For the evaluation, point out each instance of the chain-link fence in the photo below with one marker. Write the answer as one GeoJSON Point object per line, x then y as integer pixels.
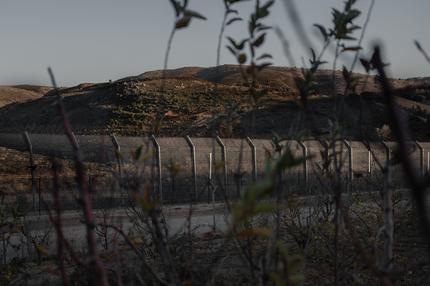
{"type": "Point", "coordinates": [180, 170]}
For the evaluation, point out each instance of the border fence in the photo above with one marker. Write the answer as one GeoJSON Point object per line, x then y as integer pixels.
{"type": "Point", "coordinates": [180, 170]}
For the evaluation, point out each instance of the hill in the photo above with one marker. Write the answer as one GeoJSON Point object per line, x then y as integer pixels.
{"type": "Point", "coordinates": [21, 93]}
{"type": "Point", "coordinates": [204, 101]}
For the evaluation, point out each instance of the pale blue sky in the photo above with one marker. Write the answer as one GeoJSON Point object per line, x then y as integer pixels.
{"type": "Point", "coordinates": [98, 40]}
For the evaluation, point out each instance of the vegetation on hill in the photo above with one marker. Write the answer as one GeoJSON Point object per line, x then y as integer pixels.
{"type": "Point", "coordinates": [208, 101]}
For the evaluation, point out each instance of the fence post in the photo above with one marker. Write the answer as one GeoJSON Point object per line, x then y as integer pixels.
{"type": "Point", "coordinates": [305, 161]}
{"type": "Point", "coordinates": [326, 160]}
{"type": "Point", "coordinates": [254, 158]}
{"type": "Point", "coordinates": [388, 155]}
{"type": "Point", "coordinates": [193, 162]}
{"type": "Point", "coordinates": [350, 160]}
{"type": "Point", "coordinates": [32, 168]}
{"type": "Point", "coordinates": [421, 148]}
{"type": "Point", "coordinates": [158, 154]}
{"type": "Point", "coordinates": [369, 161]}
{"type": "Point", "coordinates": [224, 158]}
{"type": "Point", "coordinates": [75, 139]}
{"type": "Point", "coordinates": [117, 152]}
{"type": "Point", "coordinates": [428, 162]}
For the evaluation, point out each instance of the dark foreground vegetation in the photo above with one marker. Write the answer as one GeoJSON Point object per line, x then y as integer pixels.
{"type": "Point", "coordinates": [268, 235]}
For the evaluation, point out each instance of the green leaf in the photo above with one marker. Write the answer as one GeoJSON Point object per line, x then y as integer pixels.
{"type": "Point", "coordinates": [237, 46]}
{"type": "Point", "coordinates": [183, 22]}
{"type": "Point", "coordinates": [138, 153]}
{"type": "Point", "coordinates": [259, 41]}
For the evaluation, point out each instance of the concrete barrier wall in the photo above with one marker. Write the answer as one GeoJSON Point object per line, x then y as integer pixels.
{"type": "Point", "coordinates": [184, 175]}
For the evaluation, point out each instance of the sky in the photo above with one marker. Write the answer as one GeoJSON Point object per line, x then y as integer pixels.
{"type": "Point", "coordinates": [101, 40]}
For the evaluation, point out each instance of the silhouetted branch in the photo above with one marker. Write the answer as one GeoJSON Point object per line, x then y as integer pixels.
{"type": "Point", "coordinates": [81, 178]}
{"type": "Point", "coordinates": [400, 132]}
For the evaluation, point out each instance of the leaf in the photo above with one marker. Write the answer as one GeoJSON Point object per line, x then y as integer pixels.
{"type": "Point", "coordinates": [242, 58]}
{"type": "Point", "coordinates": [263, 66]}
{"type": "Point", "coordinates": [42, 250]}
{"type": "Point", "coordinates": [268, 5]}
{"type": "Point", "coordinates": [418, 45]}
{"type": "Point", "coordinates": [346, 74]}
{"type": "Point", "coordinates": [365, 63]}
{"type": "Point", "coordinates": [138, 153]}
{"type": "Point", "coordinates": [232, 11]}
{"type": "Point", "coordinates": [231, 50]}
{"type": "Point", "coordinates": [353, 49]}
{"type": "Point", "coordinates": [233, 43]}
{"type": "Point", "coordinates": [259, 41]}
{"type": "Point", "coordinates": [322, 30]}
{"type": "Point", "coordinates": [265, 56]}
{"type": "Point", "coordinates": [261, 28]}
{"type": "Point", "coordinates": [194, 14]}
{"type": "Point", "coordinates": [176, 6]}
{"type": "Point", "coordinates": [352, 14]}
{"type": "Point", "coordinates": [231, 21]}
{"type": "Point", "coordinates": [183, 22]}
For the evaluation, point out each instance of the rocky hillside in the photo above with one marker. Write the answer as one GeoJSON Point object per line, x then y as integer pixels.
{"type": "Point", "coordinates": [206, 101]}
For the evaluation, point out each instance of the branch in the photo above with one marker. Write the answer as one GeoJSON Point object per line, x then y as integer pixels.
{"type": "Point", "coordinates": [399, 129]}
{"type": "Point", "coordinates": [81, 179]}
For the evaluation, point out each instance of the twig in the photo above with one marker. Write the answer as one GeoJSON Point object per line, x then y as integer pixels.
{"type": "Point", "coordinates": [59, 224]}
{"type": "Point", "coordinates": [81, 178]}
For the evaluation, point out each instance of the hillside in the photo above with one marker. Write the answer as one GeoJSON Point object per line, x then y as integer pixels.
{"type": "Point", "coordinates": [21, 93]}
{"type": "Point", "coordinates": [204, 101]}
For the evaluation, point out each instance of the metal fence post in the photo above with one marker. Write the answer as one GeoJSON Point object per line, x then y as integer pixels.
{"type": "Point", "coordinates": [350, 160]}
{"type": "Point", "coordinates": [224, 158]}
{"type": "Point", "coordinates": [193, 162]}
{"type": "Point", "coordinates": [326, 159]}
{"type": "Point", "coordinates": [421, 148]}
{"type": "Point", "coordinates": [254, 158]}
{"type": "Point", "coordinates": [388, 156]}
{"type": "Point", "coordinates": [32, 168]}
{"type": "Point", "coordinates": [75, 139]}
{"type": "Point", "coordinates": [305, 161]}
{"type": "Point", "coordinates": [428, 162]}
{"type": "Point", "coordinates": [369, 162]}
{"type": "Point", "coordinates": [117, 153]}
{"type": "Point", "coordinates": [158, 154]}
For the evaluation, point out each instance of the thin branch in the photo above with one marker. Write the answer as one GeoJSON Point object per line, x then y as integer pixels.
{"type": "Point", "coordinates": [81, 178]}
